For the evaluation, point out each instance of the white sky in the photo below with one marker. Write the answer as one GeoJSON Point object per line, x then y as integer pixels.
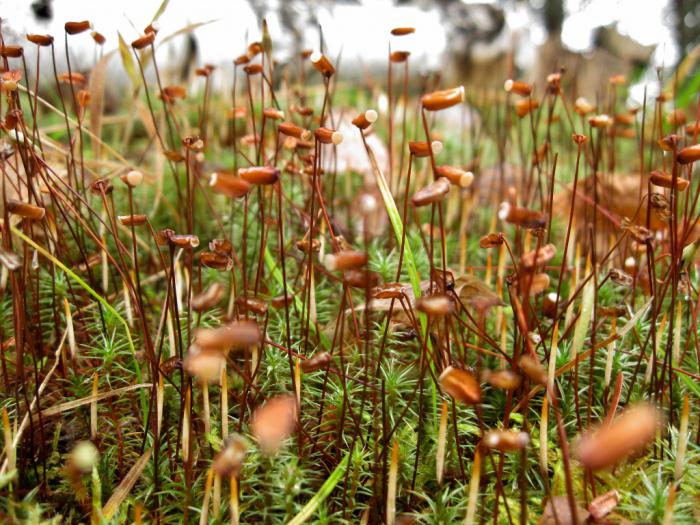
{"type": "Point", "coordinates": [361, 31]}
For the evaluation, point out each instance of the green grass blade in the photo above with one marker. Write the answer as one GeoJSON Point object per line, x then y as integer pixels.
{"type": "Point", "coordinates": [322, 493]}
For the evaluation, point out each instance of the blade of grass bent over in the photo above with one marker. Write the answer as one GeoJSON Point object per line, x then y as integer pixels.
{"type": "Point", "coordinates": [322, 493]}
{"type": "Point", "coordinates": [101, 300]}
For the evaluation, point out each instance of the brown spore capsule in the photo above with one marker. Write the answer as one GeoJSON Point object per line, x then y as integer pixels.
{"type": "Point", "coordinates": [40, 40]}
{"type": "Point", "coordinates": [610, 443]}
{"type": "Point", "coordinates": [322, 64]}
{"type": "Point", "coordinates": [318, 361]}
{"type": "Point", "coordinates": [521, 216]}
{"type": "Point", "coordinates": [143, 41]}
{"type": "Point", "coordinates": [238, 335]}
{"type": "Point", "coordinates": [435, 305]}
{"type": "Point", "coordinates": [665, 180]}
{"type": "Point", "coordinates": [455, 175]}
{"type": "Point", "coordinates": [518, 87]}
{"type": "Point", "coordinates": [216, 261]}
{"type": "Point", "coordinates": [328, 136]}
{"type": "Point", "coordinates": [208, 298]}
{"type": "Point", "coordinates": [229, 184]}
{"type": "Point", "coordinates": [133, 220]}
{"type": "Point", "coordinates": [443, 99]}
{"type": "Point", "coordinates": [74, 28]}
{"type": "Point", "coordinates": [260, 175]}
{"type": "Point", "coordinates": [345, 260]}
{"type": "Point", "coordinates": [185, 240]}
{"type": "Point", "coordinates": [506, 440]}
{"type": "Point", "coordinates": [292, 130]}
{"type": "Point", "coordinates": [423, 149]}
{"type": "Point", "coordinates": [365, 119]}
{"type": "Point", "coordinates": [26, 210]}
{"type": "Point", "coordinates": [432, 193]}
{"type": "Point", "coordinates": [689, 154]}
{"type": "Point", "coordinates": [460, 385]}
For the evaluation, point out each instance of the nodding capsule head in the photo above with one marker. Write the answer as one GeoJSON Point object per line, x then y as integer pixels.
{"type": "Point", "coordinates": [532, 368]}
{"type": "Point", "coordinates": [600, 121]}
{"type": "Point", "coordinates": [460, 385]}
{"type": "Point", "coordinates": [304, 111]}
{"type": "Point", "coordinates": [100, 186]}
{"type": "Point", "coordinates": [389, 291]}
{"type": "Point", "coordinates": [223, 246]}
{"type": "Point", "coordinates": [616, 80]}
{"type": "Point", "coordinates": [274, 422]}
{"type": "Point", "coordinates": [345, 260]}
{"type": "Point", "coordinates": [273, 113]}
{"type": "Point", "coordinates": [260, 175]}
{"type": "Point", "coordinates": [216, 261]}
{"type": "Point", "coordinates": [519, 88]}
{"type": "Point", "coordinates": [254, 49]}
{"type": "Point", "coordinates": [398, 57]}
{"type": "Point", "coordinates": [432, 193]}
{"type": "Point", "coordinates": [229, 460]}
{"type": "Point", "coordinates": [542, 255]}
{"type": "Point", "coordinates": [193, 143]}
{"type": "Point", "coordinates": [40, 40]}
{"type": "Point", "coordinates": [621, 277]}
{"type": "Point", "coordinates": [26, 210]}
{"type": "Point", "coordinates": [328, 136]}
{"type": "Point", "coordinates": [492, 240]}
{"type": "Point", "coordinates": [549, 305]}
{"type": "Point", "coordinates": [11, 51]}
{"type": "Point", "coordinates": [676, 118]}
{"type": "Point", "coordinates": [578, 138]}
{"type": "Point", "coordinates": [253, 69]}
{"type": "Point", "coordinates": [456, 176]}
{"type": "Point", "coordinates": [255, 305]}
{"type": "Point", "coordinates": [322, 64]}
{"type": "Point", "coordinates": [609, 444]}
{"type": "Point", "coordinates": [506, 440]}
{"type": "Point", "coordinates": [75, 78]}
{"type": "Point", "coordinates": [74, 28]}
{"type": "Point", "coordinates": [281, 300]}
{"type": "Point", "coordinates": [444, 99]}
{"type": "Point", "coordinates": [582, 106]}
{"type": "Point", "coordinates": [665, 180]}
{"type": "Point", "coordinates": [603, 505]}
{"type": "Point", "coordinates": [241, 60]}
{"type": "Point", "coordinates": [237, 335]}
{"type": "Point", "coordinates": [525, 106]}
{"type": "Point", "coordinates": [435, 305]}
{"type": "Point", "coordinates": [318, 361]}
{"type": "Point", "coordinates": [133, 220]}
{"type": "Point", "coordinates": [688, 154]}
{"type": "Point", "coordinates": [99, 38]}
{"type": "Point", "coordinates": [422, 149]}
{"type": "Point", "coordinates": [185, 240]}
{"type": "Point", "coordinates": [229, 184]}
{"type": "Point", "coordinates": [204, 364]}
{"type": "Point", "coordinates": [365, 119]}
{"type": "Point", "coordinates": [521, 216]}
{"type": "Point", "coordinates": [362, 279]}
{"type": "Point", "coordinates": [153, 27]}
{"type": "Point", "coordinates": [403, 31]}
{"type": "Point", "coordinates": [536, 284]}
{"type": "Point", "coordinates": [132, 178]}
{"type": "Point", "coordinates": [503, 379]}
{"type": "Point", "coordinates": [292, 130]}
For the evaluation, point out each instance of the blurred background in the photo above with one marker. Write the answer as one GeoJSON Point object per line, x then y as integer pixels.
{"type": "Point", "coordinates": [472, 41]}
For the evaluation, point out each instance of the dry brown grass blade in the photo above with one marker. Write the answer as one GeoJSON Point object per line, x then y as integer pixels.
{"type": "Point", "coordinates": [75, 403]}
{"type": "Point", "coordinates": [97, 97]}
{"type": "Point", "coordinates": [53, 108]}
{"type": "Point", "coordinates": [124, 488]}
